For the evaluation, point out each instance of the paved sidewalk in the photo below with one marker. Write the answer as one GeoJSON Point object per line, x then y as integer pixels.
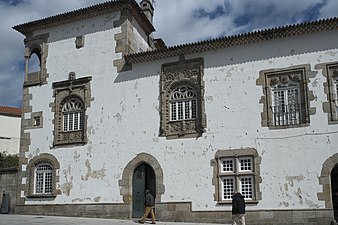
{"type": "Point", "coordinates": [12, 219]}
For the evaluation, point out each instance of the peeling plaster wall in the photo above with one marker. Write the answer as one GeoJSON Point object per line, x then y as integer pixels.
{"type": "Point", "coordinates": [124, 120]}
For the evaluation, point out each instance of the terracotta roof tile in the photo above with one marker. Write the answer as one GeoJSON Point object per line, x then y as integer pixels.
{"type": "Point", "coordinates": [88, 12]}
{"type": "Point", "coordinates": [11, 111]}
{"type": "Point", "coordinates": [240, 39]}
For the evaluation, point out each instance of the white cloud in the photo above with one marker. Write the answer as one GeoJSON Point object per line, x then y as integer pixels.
{"type": "Point", "coordinates": [330, 9]}
{"type": "Point", "coordinates": [176, 22]}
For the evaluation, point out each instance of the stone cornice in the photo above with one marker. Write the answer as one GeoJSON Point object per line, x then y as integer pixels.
{"type": "Point", "coordinates": [84, 13]}
{"type": "Point", "coordinates": [240, 39]}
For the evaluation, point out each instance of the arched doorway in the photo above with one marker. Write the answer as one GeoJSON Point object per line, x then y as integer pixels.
{"type": "Point", "coordinates": [143, 179]}
{"type": "Point", "coordinates": [334, 189]}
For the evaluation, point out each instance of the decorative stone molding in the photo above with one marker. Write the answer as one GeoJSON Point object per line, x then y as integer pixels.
{"type": "Point", "coordinates": [325, 180]}
{"type": "Point", "coordinates": [79, 41]}
{"type": "Point", "coordinates": [124, 40]}
{"type": "Point", "coordinates": [330, 107]}
{"type": "Point", "coordinates": [299, 74]}
{"type": "Point", "coordinates": [63, 91]}
{"type": "Point", "coordinates": [183, 72]}
{"type": "Point", "coordinates": [127, 176]}
{"type": "Point", "coordinates": [39, 46]}
{"type": "Point", "coordinates": [42, 158]}
{"type": "Point", "coordinates": [236, 153]}
{"type": "Point", "coordinates": [36, 120]}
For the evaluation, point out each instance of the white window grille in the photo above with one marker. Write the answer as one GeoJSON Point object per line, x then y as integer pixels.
{"type": "Point", "coordinates": [245, 164]}
{"type": "Point", "coordinates": [43, 179]}
{"type": "Point", "coordinates": [286, 104]}
{"type": "Point", "coordinates": [183, 103]}
{"type": "Point", "coordinates": [246, 186]}
{"type": "Point", "coordinates": [227, 165]}
{"type": "Point", "coordinates": [236, 174]}
{"type": "Point", "coordinates": [73, 115]}
{"type": "Point", "coordinates": [228, 187]}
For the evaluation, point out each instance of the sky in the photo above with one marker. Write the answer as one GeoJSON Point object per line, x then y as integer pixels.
{"type": "Point", "coordinates": [176, 22]}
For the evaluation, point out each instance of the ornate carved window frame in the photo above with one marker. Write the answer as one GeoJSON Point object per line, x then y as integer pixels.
{"type": "Point", "coordinates": [330, 71]}
{"type": "Point", "coordinates": [63, 91]}
{"type": "Point", "coordinates": [183, 72]}
{"type": "Point", "coordinates": [300, 74]}
{"type": "Point", "coordinates": [217, 175]}
{"type": "Point", "coordinates": [39, 46]}
{"type": "Point", "coordinates": [32, 164]}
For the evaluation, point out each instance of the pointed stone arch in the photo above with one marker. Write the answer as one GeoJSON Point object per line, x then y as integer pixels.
{"type": "Point", "coordinates": [325, 180]}
{"type": "Point", "coordinates": [127, 176]}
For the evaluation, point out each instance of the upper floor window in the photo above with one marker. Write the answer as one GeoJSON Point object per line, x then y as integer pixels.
{"type": "Point", "coordinates": [43, 178]}
{"type": "Point", "coordinates": [335, 81]}
{"type": "Point", "coordinates": [286, 104]}
{"type": "Point", "coordinates": [36, 58]}
{"type": "Point", "coordinates": [286, 100]}
{"type": "Point", "coordinates": [72, 98]}
{"type": "Point", "coordinates": [183, 103]}
{"type": "Point", "coordinates": [73, 114]}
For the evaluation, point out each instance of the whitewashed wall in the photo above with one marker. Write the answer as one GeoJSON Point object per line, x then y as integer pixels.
{"type": "Point", "coordinates": [124, 120]}
{"type": "Point", "coordinates": [10, 134]}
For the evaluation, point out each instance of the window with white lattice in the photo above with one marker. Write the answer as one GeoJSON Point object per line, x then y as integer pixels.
{"type": "Point", "coordinates": [183, 103]}
{"type": "Point", "coordinates": [237, 174]}
{"type": "Point", "coordinates": [43, 179]}
{"type": "Point", "coordinates": [72, 112]}
{"type": "Point", "coordinates": [286, 98]}
{"type": "Point", "coordinates": [72, 97]}
{"type": "Point", "coordinates": [42, 175]}
{"type": "Point", "coordinates": [330, 107]}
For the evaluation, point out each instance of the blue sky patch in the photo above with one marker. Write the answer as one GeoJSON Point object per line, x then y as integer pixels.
{"type": "Point", "coordinates": [202, 13]}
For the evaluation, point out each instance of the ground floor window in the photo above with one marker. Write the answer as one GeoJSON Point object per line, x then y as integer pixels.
{"type": "Point", "coordinates": [237, 174]}
{"type": "Point", "coordinates": [237, 171]}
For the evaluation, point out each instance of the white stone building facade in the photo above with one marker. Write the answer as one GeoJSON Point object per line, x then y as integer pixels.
{"type": "Point", "coordinates": [10, 125]}
{"type": "Point", "coordinates": [113, 112]}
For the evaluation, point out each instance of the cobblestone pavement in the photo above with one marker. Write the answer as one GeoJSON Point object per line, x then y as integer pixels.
{"type": "Point", "coordinates": [12, 219]}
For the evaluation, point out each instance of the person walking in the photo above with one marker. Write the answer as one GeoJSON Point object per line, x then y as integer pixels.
{"type": "Point", "coordinates": [149, 208]}
{"type": "Point", "coordinates": [238, 209]}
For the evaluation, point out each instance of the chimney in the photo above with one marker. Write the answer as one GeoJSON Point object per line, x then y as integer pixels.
{"type": "Point", "coordinates": [148, 9]}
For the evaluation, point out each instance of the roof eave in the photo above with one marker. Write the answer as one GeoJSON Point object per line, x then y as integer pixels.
{"type": "Point", "coordinates": [240, 39]}
{"type": "Point", "coordinates": [84, 13]}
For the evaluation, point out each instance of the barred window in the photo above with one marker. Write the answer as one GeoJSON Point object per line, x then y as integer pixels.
{"type": "Point", "coordinates": [73, 114]}
{"type": "Point", "coordinates": [237, 174]}
{"type": "Point", "coordinates": [43, 179]}
{"type": "Point", "coordinates": [183, 104]}
{"type": "Point", "coordinates": [286, 98]}
{"type": "Point", "coordinates": [286, 104]}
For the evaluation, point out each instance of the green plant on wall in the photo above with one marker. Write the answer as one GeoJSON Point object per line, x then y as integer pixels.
{"type": "Point", "coordinates": [8, 160]}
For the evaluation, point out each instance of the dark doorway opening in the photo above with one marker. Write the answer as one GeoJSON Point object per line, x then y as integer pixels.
{"type": "Point", "coordinates": [143, 179]}
{"type": "Point", "coordinates": [334, 189]}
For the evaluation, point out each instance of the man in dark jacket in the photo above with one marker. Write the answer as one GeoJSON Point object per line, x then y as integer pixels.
{"type": "Point", "coordinates": [238, 209]}
{"type": "Point", "coordinates": [150, 206]}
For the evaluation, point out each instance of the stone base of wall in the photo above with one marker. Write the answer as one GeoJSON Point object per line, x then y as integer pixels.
{"type": "Point", "coordinates": [8, 185]}
{"type": "Point", "coordinates": [181, 212]}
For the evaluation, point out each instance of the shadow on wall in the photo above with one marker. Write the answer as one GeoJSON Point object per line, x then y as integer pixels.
{"type": "Point", "coordinates": [249, 53]}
